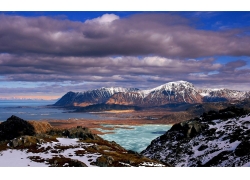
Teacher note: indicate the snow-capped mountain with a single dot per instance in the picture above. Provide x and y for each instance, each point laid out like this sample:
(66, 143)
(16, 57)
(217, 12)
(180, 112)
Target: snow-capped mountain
(222, 94)
(215, 139)
(90, 97)
(172, 92)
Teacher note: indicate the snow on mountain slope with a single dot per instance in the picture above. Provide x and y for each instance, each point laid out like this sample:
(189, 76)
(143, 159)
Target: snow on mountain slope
(205, 142)
(172, 92)
(90, 97)
(222, 94)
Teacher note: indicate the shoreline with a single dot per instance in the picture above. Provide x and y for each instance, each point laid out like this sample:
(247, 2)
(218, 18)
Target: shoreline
(94, 124)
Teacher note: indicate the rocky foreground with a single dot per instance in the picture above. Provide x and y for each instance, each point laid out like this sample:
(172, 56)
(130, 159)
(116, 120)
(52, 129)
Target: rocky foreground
(217, 138)
(24, 143)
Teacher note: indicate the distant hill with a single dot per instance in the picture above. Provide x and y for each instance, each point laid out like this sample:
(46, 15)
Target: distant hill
(105, 107)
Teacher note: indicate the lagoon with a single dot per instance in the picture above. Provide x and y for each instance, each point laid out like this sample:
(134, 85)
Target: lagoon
(135, 138)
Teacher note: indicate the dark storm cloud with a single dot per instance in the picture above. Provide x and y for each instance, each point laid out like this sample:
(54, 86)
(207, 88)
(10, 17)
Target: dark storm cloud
(142, 34)
(46, 68)
(232, 66)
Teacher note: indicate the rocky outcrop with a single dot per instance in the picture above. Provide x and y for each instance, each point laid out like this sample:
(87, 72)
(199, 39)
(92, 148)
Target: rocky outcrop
(78, 132)
(15, 127)
(217, 138)
(25, 141)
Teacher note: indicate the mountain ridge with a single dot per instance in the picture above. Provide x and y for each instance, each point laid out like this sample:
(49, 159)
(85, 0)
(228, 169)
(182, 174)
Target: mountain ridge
(168, 93)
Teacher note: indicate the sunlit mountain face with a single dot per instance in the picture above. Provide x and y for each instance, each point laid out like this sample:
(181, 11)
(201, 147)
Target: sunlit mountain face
(44, 55)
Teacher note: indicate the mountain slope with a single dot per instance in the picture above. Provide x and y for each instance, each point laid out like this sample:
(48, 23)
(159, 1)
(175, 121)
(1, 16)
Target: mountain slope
(90, 97)
(216, 95)
(172, 92)
(215, 139)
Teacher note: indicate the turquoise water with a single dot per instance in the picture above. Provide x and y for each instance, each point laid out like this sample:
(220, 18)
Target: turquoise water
(136, 139)
(37, 110)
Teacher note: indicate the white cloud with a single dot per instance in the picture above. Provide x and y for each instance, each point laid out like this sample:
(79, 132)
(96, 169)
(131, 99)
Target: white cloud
(104, 19)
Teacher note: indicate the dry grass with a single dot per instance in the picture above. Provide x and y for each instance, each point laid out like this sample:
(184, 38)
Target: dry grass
(80, 152)
(41, 127)
(120, 111)
(37, 159)
(61, 161)
(3, 146)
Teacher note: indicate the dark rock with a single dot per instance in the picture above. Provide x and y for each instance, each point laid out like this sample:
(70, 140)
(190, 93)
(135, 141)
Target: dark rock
(216, 159)
(242, 149)
(202, 147)
(78, 132)
(15, 127)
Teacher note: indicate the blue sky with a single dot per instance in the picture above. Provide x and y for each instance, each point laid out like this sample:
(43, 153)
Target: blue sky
(214, 20)
(50, 53)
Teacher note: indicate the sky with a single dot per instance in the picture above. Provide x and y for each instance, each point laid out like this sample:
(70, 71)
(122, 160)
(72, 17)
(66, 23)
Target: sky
(46, 54)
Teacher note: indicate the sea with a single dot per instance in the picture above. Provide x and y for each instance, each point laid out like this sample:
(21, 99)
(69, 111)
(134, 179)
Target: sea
(38, 110)
(135, 138)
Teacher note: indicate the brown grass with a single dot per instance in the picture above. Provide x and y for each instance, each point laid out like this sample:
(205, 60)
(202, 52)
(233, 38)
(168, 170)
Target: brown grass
(3, 146)
(40, 126)
(37, 159)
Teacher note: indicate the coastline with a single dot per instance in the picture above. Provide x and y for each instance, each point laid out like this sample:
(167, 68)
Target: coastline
(94, 124)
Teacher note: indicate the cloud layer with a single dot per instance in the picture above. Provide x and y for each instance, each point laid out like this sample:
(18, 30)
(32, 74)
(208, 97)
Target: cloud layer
(141, 34)
(142, 50)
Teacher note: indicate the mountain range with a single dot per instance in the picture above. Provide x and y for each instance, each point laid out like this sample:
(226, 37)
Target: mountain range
(169, 93)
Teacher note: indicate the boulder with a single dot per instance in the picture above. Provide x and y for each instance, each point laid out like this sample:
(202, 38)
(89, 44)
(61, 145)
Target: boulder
(104, 161)
(24, 141)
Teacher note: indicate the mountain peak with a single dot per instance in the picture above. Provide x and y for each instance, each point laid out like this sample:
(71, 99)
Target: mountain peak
(175, 85)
